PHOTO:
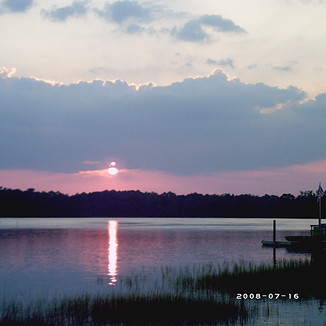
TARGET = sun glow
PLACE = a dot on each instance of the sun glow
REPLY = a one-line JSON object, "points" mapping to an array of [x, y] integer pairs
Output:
{"points": [[112, 168]]}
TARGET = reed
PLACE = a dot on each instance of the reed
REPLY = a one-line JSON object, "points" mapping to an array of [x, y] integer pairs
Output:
{"points": [[203, 294], [295, 276], [117, 310]]}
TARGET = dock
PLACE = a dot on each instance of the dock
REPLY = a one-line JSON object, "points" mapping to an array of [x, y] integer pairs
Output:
{"points": [[276, 244], [315, 241], [273, 243]]}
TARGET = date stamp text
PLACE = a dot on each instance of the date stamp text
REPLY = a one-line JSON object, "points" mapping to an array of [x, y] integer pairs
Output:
{"points": [[270, 296]]}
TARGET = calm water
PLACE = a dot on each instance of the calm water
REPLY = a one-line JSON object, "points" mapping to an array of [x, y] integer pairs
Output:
{"points": [[58, 256]]}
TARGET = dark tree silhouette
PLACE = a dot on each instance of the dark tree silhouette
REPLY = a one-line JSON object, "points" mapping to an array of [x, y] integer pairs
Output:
{"points": [[18, 203]]}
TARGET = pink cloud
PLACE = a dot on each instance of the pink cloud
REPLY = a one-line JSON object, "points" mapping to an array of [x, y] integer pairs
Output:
{"points": [[289, 179], [92, 162]]}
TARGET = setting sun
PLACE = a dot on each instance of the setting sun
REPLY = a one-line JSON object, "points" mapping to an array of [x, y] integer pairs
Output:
{"points": [[112, 168]]}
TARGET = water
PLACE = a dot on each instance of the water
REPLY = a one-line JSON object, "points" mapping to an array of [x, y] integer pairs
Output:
{"points": [[64, 256]]}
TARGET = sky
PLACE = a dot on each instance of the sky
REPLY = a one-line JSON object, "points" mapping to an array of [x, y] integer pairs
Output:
{"points": [[210, 96]]}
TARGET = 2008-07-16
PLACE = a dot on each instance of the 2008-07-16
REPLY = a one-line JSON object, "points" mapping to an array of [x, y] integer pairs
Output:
{"points": [[271, 296]]}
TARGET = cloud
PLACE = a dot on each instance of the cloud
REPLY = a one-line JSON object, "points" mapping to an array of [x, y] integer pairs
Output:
{"points": [[194, 30], [198, 126], [132, 17], [135, 29], [16, 5], [212, 62], [220, 23], [76, 9], [7, 72], [125, 10], [252, 66], [283, 68], [223, 62]]}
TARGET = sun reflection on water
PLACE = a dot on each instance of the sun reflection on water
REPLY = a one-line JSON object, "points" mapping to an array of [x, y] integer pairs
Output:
{"points": [[112, 251]]}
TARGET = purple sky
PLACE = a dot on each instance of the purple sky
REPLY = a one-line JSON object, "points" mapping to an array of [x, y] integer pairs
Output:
{"points": [[216, 98]]}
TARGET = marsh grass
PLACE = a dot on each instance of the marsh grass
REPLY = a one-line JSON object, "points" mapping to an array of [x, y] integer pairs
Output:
{"points": [[133, 310], [294, 276], [198, 295]]}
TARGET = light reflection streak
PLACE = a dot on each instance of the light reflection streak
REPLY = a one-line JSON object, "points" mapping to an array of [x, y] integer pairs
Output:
{"points": [[112, 252]]}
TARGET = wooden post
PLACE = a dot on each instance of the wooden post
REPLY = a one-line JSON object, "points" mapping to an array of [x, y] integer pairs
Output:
{"points": [[319, 220], [274, 230], [274, 240]]}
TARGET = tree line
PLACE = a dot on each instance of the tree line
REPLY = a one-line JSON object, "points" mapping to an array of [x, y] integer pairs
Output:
{"points": [[134, 203]]}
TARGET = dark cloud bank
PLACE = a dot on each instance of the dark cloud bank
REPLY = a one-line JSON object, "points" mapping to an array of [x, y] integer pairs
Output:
{"points": [[196, 126]]}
